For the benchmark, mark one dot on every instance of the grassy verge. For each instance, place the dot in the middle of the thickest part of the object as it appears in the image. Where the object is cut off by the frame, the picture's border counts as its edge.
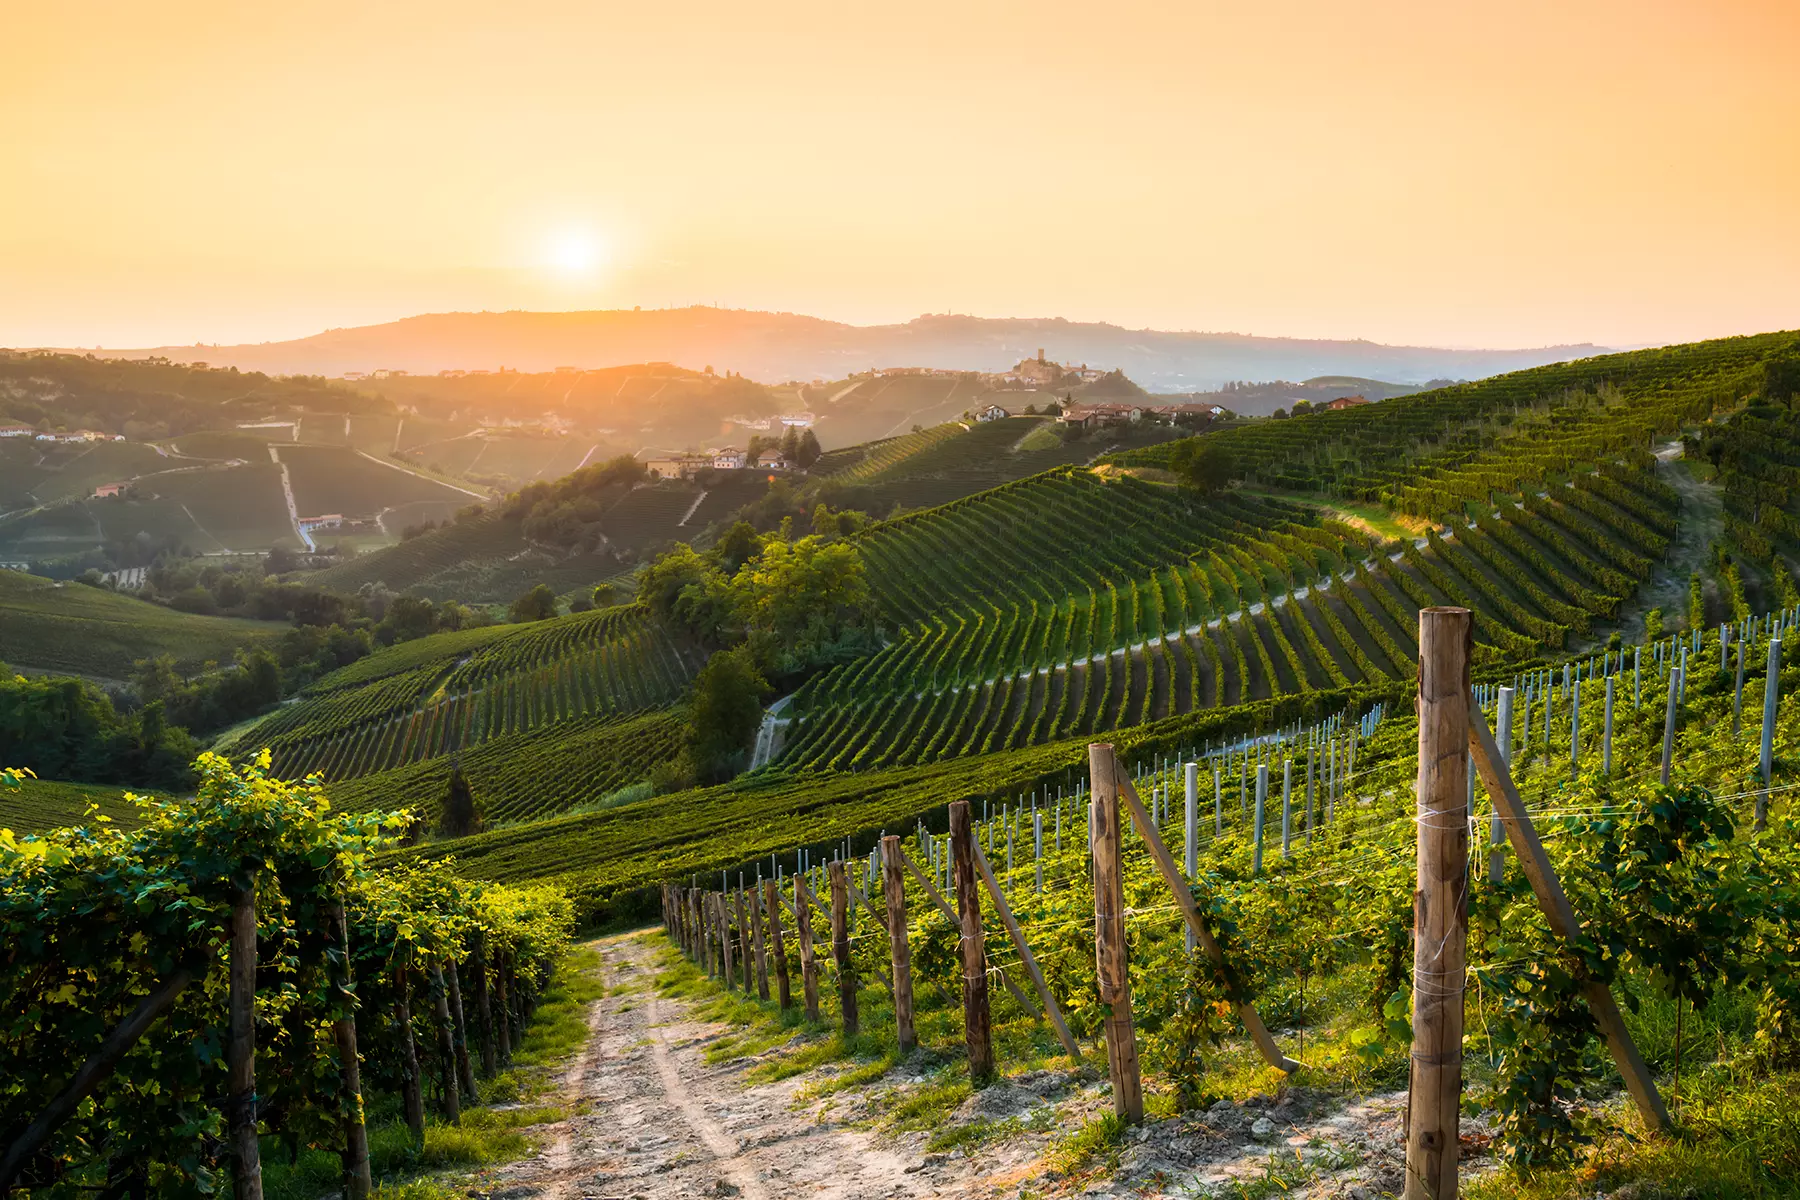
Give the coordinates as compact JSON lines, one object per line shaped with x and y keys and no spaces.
{"x":485,"y":1137}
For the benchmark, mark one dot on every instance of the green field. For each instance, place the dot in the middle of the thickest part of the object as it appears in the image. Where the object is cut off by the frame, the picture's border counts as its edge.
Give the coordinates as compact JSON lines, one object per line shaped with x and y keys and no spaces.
{"x":70,"y":628}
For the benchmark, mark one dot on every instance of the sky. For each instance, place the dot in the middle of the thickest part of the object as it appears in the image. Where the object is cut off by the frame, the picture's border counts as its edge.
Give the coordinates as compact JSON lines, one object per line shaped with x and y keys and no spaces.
{"x":1494,"y":175}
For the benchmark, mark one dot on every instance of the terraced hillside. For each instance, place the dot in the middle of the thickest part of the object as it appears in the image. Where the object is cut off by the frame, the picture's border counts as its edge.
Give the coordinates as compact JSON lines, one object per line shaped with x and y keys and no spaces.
{"x":571,"y":690}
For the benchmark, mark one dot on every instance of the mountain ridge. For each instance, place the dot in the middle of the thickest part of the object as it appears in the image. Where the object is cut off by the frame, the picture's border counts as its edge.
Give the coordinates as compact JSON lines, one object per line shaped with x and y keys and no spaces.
{"x":773,"y":347}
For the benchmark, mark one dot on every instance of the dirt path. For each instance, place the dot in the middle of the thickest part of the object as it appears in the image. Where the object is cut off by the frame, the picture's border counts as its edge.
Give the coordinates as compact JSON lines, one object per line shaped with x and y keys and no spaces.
{"x":658,"y":1122}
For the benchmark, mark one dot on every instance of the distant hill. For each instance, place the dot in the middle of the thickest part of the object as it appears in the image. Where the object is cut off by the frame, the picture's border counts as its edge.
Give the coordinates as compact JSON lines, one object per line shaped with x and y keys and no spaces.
{"x":776,"y":347}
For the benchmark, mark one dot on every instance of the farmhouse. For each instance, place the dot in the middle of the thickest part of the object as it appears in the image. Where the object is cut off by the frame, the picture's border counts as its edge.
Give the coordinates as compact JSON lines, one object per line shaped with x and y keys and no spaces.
{"x":1343,"y":402}
{"x":992,"y":412}
{"x":771,"y":460}
{"x":1092,"y":416}
{"x":728,"y":459}
{"x":679,"y":466}
{"x":110,"y":489}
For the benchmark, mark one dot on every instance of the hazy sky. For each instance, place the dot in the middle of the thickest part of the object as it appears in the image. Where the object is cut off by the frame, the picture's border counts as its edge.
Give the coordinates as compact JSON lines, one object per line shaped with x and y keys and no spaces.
{"x":1496,"y":174}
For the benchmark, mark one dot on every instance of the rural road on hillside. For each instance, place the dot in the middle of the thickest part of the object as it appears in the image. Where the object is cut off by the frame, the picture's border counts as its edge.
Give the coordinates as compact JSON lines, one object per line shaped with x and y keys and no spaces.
{"x":660,"y":1122}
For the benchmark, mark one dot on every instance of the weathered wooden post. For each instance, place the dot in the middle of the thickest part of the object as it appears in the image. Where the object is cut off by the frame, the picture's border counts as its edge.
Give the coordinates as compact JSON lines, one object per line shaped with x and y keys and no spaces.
{"x":722,"y":912}
{"x":840,"y":945}
{"x":465,"y":1071}
{"x":777,"y":942}
{"x":412,"y":1094}
{"x":240,"y":1074}
{"x":756,"y":941}
{"x":809,"y":965}
{"x":744,"y":947}
{"x":893,"y":880}
{"x":446,"y":1045}
{"x":1440,"y":922}
{"x":1111,"y":963}
{"x":1771,"y":692}
{"x":976,"y":1030}
{"x":355,"y":1154}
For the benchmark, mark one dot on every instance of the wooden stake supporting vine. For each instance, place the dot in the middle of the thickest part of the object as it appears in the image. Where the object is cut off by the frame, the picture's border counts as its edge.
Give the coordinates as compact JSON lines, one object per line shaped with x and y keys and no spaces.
{"x":1440,"y":904}
{"x":893,"y":878}
{"x":974,"y":951}
{"x":809,"y":965}
{"x":240,"y":1080}
{"x":1112,"y":968}
{"x":1027,"y":957}
{"x":777,"y":942}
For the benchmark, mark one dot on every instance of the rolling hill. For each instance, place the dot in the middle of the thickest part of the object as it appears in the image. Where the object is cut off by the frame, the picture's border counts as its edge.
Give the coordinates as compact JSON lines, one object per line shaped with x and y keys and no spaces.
{"x":69,"y":628}
{"x":786,"y":346}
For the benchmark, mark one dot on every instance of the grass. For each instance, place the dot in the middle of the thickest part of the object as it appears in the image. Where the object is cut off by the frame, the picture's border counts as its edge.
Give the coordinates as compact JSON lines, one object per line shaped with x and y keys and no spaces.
{"x":485,"y":1137}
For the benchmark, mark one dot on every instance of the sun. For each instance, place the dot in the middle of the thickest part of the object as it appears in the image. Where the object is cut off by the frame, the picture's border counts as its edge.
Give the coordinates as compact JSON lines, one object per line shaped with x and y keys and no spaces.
{"x":574,"y":253}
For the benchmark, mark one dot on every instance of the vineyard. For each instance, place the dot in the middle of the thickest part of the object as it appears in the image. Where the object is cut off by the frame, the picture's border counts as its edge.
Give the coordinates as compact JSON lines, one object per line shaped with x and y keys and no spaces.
{"x":1639,"y":789}
{"x":451,"y":693}
{"x":233,"y":967}
{"x":1187,"y":603}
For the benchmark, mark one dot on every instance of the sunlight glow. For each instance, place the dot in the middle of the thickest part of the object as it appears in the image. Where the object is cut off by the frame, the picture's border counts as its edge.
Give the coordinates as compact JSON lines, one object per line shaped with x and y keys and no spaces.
{"x":575,"y":253}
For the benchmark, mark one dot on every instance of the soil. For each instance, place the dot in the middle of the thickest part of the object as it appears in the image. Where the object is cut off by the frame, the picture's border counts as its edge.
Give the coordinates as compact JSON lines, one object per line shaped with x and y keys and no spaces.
{"x":652,"y":1120}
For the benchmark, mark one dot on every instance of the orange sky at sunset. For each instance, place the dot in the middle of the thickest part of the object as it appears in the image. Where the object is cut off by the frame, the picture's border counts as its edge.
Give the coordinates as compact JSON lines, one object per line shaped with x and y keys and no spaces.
{"x":1494,"y":175}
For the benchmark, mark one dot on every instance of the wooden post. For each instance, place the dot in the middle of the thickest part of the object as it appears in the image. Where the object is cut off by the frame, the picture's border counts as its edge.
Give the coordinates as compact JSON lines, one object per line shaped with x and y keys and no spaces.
{"x":722,"y":913}
{"x":744,"y":955}
{"x":809,"y":965}
{"x":355,"y":1154}
{"x":1110,"y":952}
{"x":1771,"y":692}
{"x":240,"y":1078}
{"x":446,"y":1047}
{"x":412,"y":1095}
{"x":465,"y":1072}
{"x":777,"y":942}
{"x":1497,"y":776}
{"x":1026,"y":957}
{"x":756,"y":930}
{"x":893,"y":884}
{"x":974,"y":950}
{"x":501,"y":988}
{"x":1440,"y":905}
{"x":840,"y":944}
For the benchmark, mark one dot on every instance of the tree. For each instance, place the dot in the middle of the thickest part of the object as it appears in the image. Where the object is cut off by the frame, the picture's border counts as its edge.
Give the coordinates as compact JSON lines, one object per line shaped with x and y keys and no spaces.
{"x":462,"y":812}
{"x":725,"y":713}
{"x":605,"y":595}
{"x":739,"y":545}
{"x":809,"y":450}
{"x":539,"y":604}
{"x":1202,"y":464}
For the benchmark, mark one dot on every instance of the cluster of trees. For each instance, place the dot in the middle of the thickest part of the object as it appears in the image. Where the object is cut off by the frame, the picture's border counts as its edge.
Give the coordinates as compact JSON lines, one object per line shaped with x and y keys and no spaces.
{"x":1203,"y":464}
{"x":799,"y":447}
{"x":566,"y":512}
{"x":64,"y":728}
{"x":770,"y":608}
